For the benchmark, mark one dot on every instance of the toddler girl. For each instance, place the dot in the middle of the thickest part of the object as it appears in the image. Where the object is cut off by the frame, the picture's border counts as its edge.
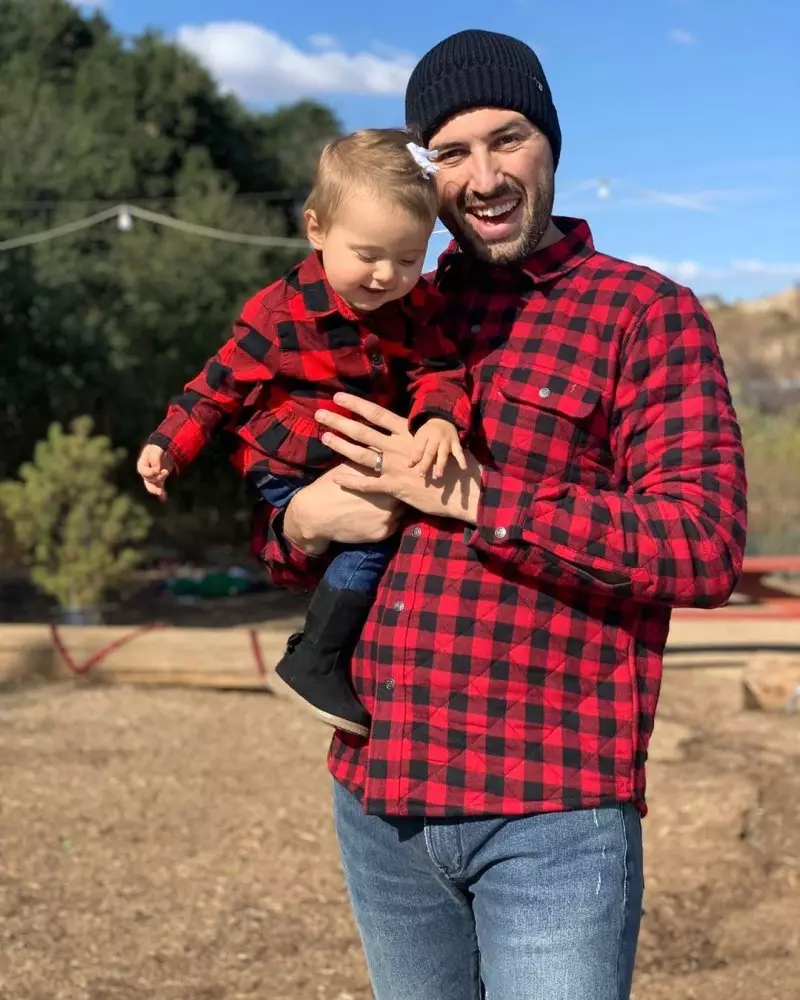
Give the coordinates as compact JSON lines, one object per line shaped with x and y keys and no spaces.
{"x":354,"y":316}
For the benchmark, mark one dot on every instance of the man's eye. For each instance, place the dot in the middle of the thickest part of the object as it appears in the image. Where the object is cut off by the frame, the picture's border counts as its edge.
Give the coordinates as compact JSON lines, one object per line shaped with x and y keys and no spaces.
{"x":510,"y":139}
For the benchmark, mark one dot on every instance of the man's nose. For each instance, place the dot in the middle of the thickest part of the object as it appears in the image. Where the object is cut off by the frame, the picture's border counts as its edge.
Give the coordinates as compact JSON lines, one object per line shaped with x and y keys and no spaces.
{"x":486,"y":176}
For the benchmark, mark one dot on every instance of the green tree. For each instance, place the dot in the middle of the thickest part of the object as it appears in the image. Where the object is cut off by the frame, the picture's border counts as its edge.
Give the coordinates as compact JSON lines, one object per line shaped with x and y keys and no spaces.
{"x":111,"y":324}
{"x":76,"y":529}
{"x":772,"y":451}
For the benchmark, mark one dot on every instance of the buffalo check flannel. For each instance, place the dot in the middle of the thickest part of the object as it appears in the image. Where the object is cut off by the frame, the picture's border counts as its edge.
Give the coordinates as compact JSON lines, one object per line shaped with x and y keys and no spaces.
{"x":515,"y":667}
{"x":297,"y":343}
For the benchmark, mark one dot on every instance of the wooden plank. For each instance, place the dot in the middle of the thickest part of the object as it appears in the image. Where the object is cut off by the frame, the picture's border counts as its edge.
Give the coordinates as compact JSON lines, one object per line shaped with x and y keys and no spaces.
{"x":697,"y":629}
{"x":239,"y":657}
{"x":205,"y":657}
{"x":16,"y":635}
{"x":236,"y":654}
{"x":707,"y":658}
{"x":21,"y":636}
{"x":784,"y":607}
{"x":772,"y":564}
{"x":225,"y":657}
{"x":222,"y":680}
{"x":246,"y":668}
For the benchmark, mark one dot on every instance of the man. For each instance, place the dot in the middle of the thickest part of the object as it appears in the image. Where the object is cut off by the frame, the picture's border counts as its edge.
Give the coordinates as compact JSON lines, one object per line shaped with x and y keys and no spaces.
{"x":490,"y":825}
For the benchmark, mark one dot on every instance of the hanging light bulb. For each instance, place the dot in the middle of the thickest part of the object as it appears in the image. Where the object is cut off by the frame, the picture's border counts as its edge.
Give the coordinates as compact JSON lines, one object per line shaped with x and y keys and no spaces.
{"x":124,"y":220}
{"x":603,"y":189}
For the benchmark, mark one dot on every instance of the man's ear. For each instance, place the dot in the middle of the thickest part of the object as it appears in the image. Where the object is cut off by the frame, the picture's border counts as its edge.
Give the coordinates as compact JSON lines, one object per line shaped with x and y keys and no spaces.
{"x":316,"y":236}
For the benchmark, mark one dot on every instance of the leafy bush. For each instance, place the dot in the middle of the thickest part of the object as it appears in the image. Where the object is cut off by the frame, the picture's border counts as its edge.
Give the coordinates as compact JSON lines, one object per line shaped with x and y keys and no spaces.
{"x":76,"y":530}
{"x":772,"y":454}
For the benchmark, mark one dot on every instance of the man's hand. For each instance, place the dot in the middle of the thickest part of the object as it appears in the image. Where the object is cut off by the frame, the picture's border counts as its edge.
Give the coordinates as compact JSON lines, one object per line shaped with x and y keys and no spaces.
{"x":154,"y":466}
{"x":324,"y":512}
{"x":435,"y":442}
{"x":387,"y":434}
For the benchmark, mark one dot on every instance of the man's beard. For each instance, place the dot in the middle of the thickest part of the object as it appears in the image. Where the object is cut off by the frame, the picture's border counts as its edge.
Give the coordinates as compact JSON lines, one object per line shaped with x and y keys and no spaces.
{"x":537,"y":206}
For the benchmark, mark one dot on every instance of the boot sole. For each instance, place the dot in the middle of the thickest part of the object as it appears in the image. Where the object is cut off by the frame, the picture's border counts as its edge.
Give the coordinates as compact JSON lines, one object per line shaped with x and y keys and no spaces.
{"x":347,"y":725}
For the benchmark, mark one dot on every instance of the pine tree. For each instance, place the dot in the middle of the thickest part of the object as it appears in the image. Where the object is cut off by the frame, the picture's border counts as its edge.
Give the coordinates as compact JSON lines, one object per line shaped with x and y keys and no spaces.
{"x":76,"y":529}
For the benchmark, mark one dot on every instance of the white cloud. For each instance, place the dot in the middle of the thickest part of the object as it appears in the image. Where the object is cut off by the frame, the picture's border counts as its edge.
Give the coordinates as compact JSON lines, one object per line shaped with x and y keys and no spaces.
{"x":679,"y":36}
{"x":616,"y":193}
{"x":323,"y":42}
{"x":680,"y":270}
{"x":691,"y":270}
{"x":259,"y":65}
{"x":700,"y":202}
{"x":389,"y":52}
{"x":779,"y":269}
{"x":708,"y":200}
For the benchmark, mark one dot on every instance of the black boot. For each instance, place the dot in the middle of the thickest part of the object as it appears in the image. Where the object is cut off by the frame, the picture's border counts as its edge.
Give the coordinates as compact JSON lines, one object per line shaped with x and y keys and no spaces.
{"x":316,"y":663}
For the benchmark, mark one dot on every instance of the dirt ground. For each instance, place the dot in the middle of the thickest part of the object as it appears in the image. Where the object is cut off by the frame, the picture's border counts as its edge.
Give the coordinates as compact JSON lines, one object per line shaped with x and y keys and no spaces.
{"x":177,"y":845}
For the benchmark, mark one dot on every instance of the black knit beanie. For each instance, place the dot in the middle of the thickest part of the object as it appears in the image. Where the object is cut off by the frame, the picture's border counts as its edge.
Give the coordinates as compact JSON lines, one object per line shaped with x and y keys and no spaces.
{"x":480,"y":69}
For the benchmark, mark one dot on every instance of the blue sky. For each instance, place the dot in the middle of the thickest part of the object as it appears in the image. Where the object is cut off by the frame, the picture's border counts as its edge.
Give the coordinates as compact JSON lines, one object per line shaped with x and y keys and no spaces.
{"x":680,"y":121}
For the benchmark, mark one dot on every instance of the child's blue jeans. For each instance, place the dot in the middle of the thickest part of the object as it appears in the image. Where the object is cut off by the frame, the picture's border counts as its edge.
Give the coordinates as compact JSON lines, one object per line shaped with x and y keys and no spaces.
{"x":354,"y":567}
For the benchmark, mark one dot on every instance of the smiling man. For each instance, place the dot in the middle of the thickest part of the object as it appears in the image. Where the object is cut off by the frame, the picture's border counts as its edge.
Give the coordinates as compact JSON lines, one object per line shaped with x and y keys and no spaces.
{"x":499,"y":217}
{"x":490,"y":825}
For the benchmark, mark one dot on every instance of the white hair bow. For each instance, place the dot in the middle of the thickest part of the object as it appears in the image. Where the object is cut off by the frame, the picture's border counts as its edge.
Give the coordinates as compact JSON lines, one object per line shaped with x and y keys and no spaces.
{"x":423,"y":158}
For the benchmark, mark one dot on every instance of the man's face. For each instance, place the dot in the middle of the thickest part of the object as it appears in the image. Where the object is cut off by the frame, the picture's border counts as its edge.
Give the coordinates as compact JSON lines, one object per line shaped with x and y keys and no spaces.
{"x":495,"y":183}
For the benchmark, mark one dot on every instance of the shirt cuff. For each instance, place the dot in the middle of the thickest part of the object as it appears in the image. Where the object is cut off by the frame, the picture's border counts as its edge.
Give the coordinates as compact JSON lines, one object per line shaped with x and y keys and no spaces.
{"x":289,"y":565}
{"x":515,"y":525}
{"x":504,"y":503}
{"x":180,"y":459}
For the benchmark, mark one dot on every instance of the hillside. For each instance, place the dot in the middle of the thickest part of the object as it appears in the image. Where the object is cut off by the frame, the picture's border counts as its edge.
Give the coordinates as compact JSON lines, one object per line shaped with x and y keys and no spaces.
{"x":760,"y":341}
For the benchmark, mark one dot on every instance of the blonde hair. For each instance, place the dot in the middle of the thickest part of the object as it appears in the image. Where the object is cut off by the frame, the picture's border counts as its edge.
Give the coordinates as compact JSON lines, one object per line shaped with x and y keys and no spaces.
{"x":376,"y":160}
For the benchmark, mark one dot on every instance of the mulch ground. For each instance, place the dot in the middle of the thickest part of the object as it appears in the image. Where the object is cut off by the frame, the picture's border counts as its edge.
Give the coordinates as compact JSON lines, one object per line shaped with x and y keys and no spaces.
{"x":177,"y":845}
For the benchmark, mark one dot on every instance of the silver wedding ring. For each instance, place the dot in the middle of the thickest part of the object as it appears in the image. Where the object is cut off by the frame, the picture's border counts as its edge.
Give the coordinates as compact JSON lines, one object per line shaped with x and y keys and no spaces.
{"x":378,"y":462}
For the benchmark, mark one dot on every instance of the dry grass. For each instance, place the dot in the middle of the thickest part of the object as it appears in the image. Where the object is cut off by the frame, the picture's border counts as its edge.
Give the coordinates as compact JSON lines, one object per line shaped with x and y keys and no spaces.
{"x":177,"y":845}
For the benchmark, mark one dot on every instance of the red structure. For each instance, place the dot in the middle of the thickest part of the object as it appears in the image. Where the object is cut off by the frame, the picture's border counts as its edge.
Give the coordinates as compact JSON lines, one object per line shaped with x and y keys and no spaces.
{"x":757,"y":596}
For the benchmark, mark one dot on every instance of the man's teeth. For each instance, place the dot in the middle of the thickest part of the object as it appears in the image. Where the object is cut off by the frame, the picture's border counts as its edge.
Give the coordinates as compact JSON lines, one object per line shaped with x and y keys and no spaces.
{"x":492,"y":210}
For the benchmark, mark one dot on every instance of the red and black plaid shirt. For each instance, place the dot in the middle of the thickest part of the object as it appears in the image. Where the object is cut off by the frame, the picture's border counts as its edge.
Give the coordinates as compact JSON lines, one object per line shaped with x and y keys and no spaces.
{"x":515,"y":667}
{"x":297,"y":343}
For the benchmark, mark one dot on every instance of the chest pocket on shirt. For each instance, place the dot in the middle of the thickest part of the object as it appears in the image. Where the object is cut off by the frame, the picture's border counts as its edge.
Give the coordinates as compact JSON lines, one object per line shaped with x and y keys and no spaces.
{"x":534,"y":420}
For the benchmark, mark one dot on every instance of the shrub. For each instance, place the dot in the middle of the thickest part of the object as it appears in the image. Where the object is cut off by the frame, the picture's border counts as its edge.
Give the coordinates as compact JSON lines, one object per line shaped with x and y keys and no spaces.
{"x":76,"y":530}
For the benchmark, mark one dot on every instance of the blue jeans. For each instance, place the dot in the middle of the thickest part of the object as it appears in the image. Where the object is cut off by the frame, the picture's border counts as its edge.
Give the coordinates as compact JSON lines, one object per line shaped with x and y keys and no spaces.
{"x":354,"y":567}
{"x":542,"y":907}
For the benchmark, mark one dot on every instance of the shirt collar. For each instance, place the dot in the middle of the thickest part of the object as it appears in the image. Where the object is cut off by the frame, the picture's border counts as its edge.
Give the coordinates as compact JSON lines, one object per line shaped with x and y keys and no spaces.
{"x":320,"y":300}
{"x":575,"y":246}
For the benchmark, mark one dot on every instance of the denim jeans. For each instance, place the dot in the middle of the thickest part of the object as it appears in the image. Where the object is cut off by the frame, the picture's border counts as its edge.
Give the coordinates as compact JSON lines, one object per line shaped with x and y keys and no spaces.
{"x":543,"y":907}
{"x":354,"y":567}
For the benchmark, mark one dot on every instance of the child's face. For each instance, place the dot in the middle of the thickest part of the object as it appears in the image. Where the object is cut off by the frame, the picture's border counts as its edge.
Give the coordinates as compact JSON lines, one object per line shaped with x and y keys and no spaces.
{"x":372,"y":251}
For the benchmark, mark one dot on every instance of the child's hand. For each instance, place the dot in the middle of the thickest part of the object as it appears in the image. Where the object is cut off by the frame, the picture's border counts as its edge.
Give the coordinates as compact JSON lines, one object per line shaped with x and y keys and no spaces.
{"x":154,"y":466}
{"x":436,"y":440}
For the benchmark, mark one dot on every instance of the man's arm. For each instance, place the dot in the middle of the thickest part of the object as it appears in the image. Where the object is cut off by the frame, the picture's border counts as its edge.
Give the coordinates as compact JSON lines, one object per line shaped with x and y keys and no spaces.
{"x":673,"y":530}
{"x":676,"y":530}
{"x":251,"y":355}
{"x":294,"y":542}
{"x":295,"y":560}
